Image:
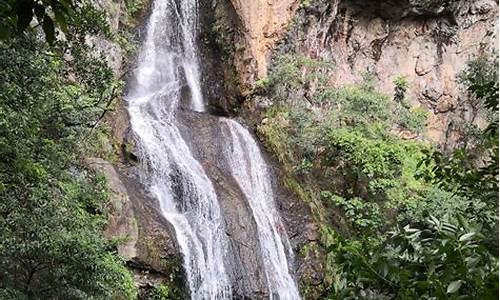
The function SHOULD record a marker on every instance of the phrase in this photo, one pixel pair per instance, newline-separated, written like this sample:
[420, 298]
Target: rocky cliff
[427, 41]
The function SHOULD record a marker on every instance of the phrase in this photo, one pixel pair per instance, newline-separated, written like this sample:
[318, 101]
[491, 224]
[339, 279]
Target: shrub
[337, 140]
[413, 119]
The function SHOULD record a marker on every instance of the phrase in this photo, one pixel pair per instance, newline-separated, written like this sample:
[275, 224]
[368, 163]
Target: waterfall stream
[251, 172]
[167, 72]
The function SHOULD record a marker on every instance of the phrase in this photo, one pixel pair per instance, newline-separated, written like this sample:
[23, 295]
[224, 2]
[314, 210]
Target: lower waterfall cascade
[168, 67]
[251, 173]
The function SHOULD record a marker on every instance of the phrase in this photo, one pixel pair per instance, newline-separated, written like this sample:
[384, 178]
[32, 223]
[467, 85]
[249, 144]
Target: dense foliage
[400, 220]
[52, 208]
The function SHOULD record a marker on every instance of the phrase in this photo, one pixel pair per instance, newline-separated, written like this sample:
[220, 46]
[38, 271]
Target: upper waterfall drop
[170, 47]
[251, 172]
[168, 64]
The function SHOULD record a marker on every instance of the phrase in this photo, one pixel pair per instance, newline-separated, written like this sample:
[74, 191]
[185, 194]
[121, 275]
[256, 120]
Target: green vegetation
[53, 209]
[160, 292]
[17, 16]
[399, 220]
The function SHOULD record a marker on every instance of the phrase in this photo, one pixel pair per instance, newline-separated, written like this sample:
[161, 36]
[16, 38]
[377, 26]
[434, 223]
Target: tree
[52, 208]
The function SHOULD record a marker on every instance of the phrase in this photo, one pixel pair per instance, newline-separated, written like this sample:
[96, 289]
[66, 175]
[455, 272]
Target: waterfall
[168, 72]
[251, 172]
[167, 63]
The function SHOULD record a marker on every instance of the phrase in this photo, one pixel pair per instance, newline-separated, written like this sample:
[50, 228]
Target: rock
[481, 7]
[445, 104]
[431, 94]
[262, 24]
[398, 9]
[424, 64]
[158, 256]
[121, 222]
[110, 49]
[407, 135]
[149, 241]
[205, 135]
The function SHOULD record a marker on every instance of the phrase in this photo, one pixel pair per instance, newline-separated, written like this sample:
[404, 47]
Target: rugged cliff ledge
[428, 42]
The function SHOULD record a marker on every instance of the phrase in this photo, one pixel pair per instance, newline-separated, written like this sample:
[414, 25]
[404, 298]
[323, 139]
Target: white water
[167, 63]
[168, 70]
[252, 174]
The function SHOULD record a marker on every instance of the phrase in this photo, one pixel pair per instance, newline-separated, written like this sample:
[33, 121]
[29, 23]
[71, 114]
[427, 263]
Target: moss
[276, 138]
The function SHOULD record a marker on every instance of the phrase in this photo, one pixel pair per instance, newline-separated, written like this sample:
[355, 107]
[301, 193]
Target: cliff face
[427, 41]
[262, 24]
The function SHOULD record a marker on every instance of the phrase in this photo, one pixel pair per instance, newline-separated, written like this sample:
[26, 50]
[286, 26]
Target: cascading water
[167, 72]
[250, 171]
[167, 63]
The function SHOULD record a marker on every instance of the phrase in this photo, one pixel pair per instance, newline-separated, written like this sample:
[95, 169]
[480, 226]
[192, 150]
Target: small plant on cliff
[410, 118]
[400, 87]
[413, 119]
[160, 292]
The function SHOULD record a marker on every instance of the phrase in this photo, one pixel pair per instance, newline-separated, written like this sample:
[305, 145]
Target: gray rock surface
[427, 41]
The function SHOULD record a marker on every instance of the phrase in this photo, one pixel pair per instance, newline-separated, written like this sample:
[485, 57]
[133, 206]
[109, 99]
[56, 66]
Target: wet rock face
[149, 243]
[245, 265]
[217, 44]
[303, 232]
[244, 262]
[158, 258]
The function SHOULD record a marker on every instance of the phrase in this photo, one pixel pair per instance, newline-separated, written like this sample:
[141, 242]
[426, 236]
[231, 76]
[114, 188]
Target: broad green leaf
[454, 287]
[434, 220]
[467, 236]
[48, 28]
[24, 11]
[61, 21]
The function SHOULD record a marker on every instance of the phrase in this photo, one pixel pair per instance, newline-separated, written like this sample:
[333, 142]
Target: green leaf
[4, 32]
[61, 21]
[467, 237]
[48, 28]
[434, 221]
[385, 270]
[24, 11]
[454, 287]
